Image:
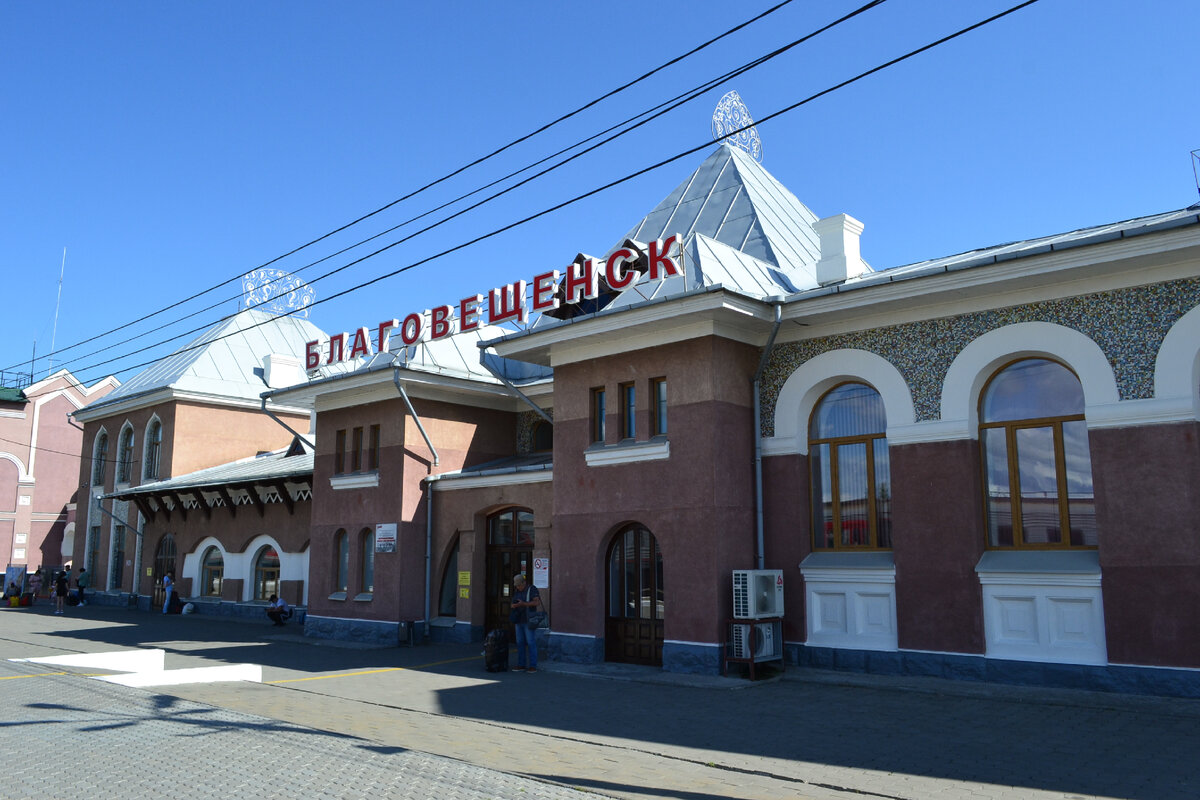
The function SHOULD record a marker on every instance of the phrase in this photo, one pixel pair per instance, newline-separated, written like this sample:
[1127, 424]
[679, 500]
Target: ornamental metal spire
[277, 292]
[730, 115]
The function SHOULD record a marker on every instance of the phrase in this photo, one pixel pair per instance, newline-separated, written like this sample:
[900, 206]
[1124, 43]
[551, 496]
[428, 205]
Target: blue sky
[172, 146]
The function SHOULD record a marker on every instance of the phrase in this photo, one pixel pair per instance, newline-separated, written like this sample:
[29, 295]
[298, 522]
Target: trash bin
[406, 633]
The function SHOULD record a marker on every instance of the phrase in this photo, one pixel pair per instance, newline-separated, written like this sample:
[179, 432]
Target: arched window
[266, 573]
[851, 478]
[100, 458]
[125, 455]
[1037, 466]
[448, 598]
[367, 539]
[511, 527]
[341, 550]
[634, 625]
[153, 444]
[212, 572]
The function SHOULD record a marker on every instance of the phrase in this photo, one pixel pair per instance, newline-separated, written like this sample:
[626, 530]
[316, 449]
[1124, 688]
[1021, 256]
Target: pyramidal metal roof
[224, 362]
[732, 199]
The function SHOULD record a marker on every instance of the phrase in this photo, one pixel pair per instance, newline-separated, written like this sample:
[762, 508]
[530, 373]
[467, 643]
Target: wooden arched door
[633, 630]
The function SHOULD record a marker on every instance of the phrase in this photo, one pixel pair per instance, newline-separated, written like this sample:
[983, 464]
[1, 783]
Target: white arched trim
[292, 566]
[815, 377]
[108, 454]
[979, 360]
[22, 473]
[1177, 368]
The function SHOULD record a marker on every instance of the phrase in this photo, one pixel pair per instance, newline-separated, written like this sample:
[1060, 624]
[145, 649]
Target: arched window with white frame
[1037, 469]
[850, 468]
[100, 458]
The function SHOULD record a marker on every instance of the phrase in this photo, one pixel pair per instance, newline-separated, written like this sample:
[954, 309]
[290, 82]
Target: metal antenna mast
[57, 303]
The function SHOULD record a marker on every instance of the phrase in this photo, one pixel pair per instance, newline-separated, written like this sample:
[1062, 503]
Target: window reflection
[850, 470]
[1036, 460]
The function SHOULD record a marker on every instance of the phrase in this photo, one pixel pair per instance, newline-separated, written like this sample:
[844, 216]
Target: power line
[652, 167]
[438, 181]
[631, 122]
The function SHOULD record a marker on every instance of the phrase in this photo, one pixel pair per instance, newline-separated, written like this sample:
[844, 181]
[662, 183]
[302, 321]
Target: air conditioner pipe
[759, 545]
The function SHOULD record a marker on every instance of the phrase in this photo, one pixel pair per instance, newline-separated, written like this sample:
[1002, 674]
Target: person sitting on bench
[278, 610]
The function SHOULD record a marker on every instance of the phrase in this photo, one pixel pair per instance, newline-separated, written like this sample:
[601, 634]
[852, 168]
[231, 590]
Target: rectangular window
[598, 415]
[356, 451]
[628, 396]
[373, 449]
[339, 453]
[658, 407]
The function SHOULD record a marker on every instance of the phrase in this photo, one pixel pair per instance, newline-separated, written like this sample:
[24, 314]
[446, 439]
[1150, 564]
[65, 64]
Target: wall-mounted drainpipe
[428, 494]
[759, 545]
[500, 377]
[286, 427]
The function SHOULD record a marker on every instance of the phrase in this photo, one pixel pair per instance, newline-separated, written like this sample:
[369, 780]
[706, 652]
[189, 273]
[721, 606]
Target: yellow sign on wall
[464, 579]
[464, 592]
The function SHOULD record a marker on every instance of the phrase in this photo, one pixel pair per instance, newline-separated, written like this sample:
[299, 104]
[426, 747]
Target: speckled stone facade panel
[1128, 324]
[526, 420]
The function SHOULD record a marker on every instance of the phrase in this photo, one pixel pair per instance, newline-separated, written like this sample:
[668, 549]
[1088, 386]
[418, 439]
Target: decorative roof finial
[730, 115]
[277, 292]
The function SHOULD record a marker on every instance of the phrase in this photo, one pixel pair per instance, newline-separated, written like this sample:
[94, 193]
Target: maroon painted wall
[937, 539]
[463, 436]
[698, 503]
[1147, 482]
[787, 534]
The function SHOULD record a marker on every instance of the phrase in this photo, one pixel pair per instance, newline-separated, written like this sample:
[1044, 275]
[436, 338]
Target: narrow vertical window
[356, 451]
[125, 456]
[368, 561]
[100, 459]
[339, 453]
[628, 395]
[373, 449]
[117, 564]
[153, 445]
[598, 415]
[658, 407]
[342, 579]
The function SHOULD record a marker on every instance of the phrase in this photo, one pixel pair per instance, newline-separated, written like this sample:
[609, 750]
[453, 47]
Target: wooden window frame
[373, 440]
[1010, 427]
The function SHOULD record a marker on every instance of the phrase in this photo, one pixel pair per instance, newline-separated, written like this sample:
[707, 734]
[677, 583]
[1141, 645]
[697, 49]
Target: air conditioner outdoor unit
[766, 642]
[757, 593]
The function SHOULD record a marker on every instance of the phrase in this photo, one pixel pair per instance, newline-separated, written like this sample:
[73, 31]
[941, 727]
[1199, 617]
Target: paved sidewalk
[642, 734]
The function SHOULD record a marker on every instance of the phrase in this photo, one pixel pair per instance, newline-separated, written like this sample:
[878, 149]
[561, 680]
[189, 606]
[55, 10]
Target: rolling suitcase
[495, 651]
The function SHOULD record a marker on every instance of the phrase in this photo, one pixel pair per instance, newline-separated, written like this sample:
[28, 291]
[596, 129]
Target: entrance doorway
[164, 562]
[633, 629]
[509, 551]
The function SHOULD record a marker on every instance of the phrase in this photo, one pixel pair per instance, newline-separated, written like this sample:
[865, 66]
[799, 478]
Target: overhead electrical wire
[639, 173]
[436, 182]
[631, 122]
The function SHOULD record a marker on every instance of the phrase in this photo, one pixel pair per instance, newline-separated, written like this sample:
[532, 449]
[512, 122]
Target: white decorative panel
[851, 600]
[830, 612]
[1018, 620]
[1050, 616]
